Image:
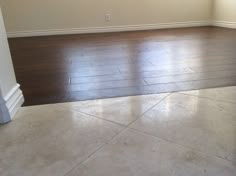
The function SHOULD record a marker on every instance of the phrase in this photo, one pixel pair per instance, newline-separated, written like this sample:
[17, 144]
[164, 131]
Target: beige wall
[225, 10]
[7, 75]
[30, 15]
[11, 97]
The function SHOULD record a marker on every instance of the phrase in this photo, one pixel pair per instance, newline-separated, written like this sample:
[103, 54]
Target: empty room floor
[53, 69]
[190, 133]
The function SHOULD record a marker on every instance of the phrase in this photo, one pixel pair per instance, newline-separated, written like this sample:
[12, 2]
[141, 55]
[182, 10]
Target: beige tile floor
[180, 134]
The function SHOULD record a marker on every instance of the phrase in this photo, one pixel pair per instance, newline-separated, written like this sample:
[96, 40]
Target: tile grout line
[150, 108]
[167, 139]
[185, 146]
[98, 149]
[212, 99]
[81, 162]
[78, 111]
[130, 128]
[95, 151]
[107, 142]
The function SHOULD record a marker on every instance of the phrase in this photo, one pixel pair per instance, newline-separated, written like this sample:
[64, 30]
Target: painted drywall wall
[224, 10]
[33, 15]
[7, 75]
[11, 95]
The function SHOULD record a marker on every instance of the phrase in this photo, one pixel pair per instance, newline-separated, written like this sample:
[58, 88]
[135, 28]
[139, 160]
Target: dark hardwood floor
[54, 69]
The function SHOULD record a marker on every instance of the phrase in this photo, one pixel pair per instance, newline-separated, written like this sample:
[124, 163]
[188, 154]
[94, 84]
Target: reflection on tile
[133, 153]
[122, 110]
[225, 93]
[175, 135]
[203, 124]
[50, 140]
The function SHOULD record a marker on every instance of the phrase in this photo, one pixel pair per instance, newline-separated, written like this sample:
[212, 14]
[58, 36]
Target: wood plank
[54, 69]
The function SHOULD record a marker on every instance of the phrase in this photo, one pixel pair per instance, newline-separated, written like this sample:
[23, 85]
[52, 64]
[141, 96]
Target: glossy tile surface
[49, 140]
[202, 124]
[227, 94]
[119, 110]
[134, 153]
[177, 134]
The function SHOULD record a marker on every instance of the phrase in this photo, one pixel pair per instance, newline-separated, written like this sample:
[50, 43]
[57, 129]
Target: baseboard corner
[14, 100]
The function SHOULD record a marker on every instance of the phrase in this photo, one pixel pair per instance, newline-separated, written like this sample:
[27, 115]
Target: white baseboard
[107, 29]
[14, 99]
[4, 113]
[225, 24]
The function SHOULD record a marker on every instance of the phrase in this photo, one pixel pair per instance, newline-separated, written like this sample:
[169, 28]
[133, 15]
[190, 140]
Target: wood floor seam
[46, 67]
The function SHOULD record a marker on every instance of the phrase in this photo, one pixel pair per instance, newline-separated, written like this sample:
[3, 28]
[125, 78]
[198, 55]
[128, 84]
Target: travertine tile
[205, 125]
[189, 135]
[50, 140]
[122, 110]
[224, 93]
[134, 153]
